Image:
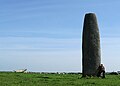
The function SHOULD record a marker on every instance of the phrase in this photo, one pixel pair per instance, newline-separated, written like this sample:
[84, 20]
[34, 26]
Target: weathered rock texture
[91, 56]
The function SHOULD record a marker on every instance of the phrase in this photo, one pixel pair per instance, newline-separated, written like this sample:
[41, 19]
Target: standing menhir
[91, 56]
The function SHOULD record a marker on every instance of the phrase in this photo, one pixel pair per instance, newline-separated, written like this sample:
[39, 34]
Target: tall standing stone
[91, 56]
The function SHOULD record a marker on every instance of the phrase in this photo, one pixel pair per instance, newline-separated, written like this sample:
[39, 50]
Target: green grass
[22, 79]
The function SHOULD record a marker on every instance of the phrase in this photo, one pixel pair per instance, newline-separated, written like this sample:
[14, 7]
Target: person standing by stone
[101, 71]
[91, 55]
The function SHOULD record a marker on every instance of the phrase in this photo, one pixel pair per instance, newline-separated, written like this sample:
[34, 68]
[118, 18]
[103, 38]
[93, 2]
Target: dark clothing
[101, 71]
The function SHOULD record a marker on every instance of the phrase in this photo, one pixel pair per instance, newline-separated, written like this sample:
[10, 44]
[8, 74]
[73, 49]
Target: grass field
[27, 79]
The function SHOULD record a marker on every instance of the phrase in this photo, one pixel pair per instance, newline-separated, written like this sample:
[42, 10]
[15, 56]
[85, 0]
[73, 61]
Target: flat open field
[27, 79]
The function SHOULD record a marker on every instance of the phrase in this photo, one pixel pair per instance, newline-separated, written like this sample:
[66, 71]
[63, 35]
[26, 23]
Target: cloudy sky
[46, 35]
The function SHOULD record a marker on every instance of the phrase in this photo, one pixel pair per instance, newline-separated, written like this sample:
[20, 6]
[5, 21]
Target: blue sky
[46, 35]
